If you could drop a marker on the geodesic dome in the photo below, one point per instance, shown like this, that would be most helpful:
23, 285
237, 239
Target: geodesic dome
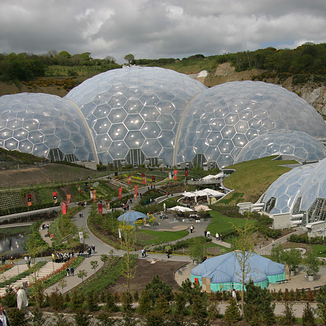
283, 193
297, 144
224, 272
134, 112
222, 120
44, 125
313, 194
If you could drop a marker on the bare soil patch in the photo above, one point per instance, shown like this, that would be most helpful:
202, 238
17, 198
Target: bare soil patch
146, 271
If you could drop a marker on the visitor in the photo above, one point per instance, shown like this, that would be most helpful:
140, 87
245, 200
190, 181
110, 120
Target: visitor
234, 294
68, 271
216, 236
205, 233
168, 253
192, 228
208, 234
22, 301
72, 271
4, 321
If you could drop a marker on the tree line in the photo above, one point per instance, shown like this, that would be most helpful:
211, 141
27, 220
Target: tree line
28, 66
307, 59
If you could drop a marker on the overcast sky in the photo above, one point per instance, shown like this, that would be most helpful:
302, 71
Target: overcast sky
158, 28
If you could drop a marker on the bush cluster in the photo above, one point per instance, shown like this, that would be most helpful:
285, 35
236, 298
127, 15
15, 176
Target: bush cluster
303, 238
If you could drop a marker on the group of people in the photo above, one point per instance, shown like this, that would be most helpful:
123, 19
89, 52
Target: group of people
207, 234
28, 261
59, 257
70, 271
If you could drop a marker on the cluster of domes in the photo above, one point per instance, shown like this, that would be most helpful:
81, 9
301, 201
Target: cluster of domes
138, 115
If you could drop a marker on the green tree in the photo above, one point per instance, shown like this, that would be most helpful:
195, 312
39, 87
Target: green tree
311, 263
94, 264
130, 58
199, 310
92, 301
288, 317
157, 287
321, 303
144, 303
17, 317
292, 258
259, 308
308, 318
232, 313
244, 247
81, 274
277, 253
197, 249
188, 290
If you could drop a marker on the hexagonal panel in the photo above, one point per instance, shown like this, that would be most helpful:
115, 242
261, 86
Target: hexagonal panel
133, 122
117, 131
150, 130
25, 146
149, 113
133, 106
134, 139
101, 126
117, 115
152, 148
118, 150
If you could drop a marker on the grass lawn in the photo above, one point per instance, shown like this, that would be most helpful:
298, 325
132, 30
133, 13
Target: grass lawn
222, 224
252, 178
320, 250
149, 237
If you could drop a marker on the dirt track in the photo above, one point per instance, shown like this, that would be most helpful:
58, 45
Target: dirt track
145, 273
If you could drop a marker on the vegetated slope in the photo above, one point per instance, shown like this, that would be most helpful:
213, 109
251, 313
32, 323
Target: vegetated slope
251, 179
51, 173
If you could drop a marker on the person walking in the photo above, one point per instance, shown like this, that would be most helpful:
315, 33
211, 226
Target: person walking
205, 233
216, 236
191, 228
168, 253
22, 301
72, 271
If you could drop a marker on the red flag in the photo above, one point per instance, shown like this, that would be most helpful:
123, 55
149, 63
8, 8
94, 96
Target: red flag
136, 191
175, 174
100, 208
129, 179
64, 208
144, 178
186, 172
120, 193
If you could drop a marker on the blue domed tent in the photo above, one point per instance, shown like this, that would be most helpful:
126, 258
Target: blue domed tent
131, 217
224, 272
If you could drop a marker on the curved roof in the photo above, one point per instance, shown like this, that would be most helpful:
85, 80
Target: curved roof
44, 125
135, 108
225, 268
300, 145
223, 119
315, 186
286, 189
131, 217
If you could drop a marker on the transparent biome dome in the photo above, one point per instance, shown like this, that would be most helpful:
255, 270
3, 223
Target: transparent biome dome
300, 145
313, 194
223, 119
283, 192
44, 125
134, 112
